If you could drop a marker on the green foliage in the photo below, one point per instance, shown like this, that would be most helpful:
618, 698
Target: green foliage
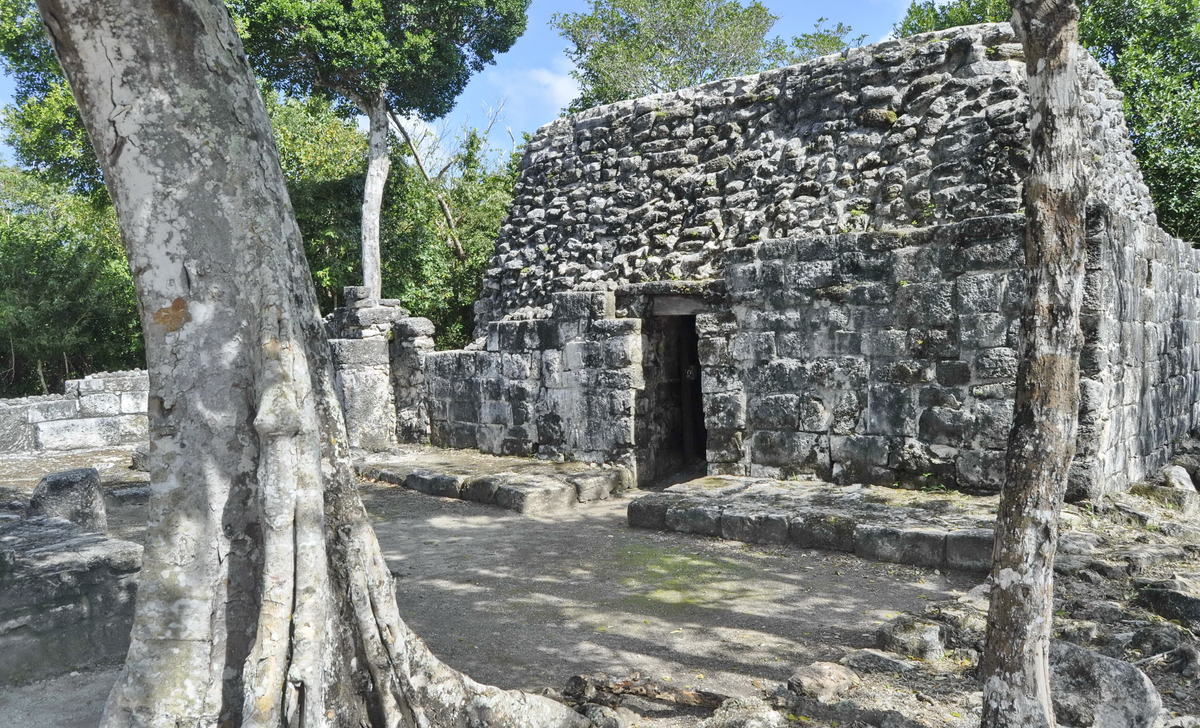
419, 266
421, 54
67, 305
324, 160
1151, 49
924, 16
624, 49
42, 125
323, 157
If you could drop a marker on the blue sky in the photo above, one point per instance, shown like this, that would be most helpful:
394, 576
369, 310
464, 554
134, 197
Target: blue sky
534, 80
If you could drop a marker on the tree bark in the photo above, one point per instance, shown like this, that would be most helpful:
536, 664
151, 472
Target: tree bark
378, 166
1041, 444
264, 598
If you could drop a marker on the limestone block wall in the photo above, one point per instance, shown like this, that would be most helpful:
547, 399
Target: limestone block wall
562, 386
100, 410
878, 357
864, 212
378, 353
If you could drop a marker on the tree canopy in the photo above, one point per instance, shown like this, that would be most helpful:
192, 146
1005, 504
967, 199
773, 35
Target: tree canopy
1151, 49
419, 54
623, 49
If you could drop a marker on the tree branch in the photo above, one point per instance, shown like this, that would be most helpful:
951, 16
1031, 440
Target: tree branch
455, 244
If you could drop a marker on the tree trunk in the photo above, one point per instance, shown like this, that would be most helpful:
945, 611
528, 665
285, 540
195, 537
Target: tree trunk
1015, 665
378, 165
264, 598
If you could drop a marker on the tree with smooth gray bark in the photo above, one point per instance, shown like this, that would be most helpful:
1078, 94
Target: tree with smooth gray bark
1041, 444
264, 598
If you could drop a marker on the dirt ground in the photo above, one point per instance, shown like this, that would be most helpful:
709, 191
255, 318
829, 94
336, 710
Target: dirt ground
525, 602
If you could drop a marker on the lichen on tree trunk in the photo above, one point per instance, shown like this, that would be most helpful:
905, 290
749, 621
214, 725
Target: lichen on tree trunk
264, 598
1015, 664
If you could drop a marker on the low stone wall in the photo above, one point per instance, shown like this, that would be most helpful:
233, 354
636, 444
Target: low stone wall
100, 410
66, 597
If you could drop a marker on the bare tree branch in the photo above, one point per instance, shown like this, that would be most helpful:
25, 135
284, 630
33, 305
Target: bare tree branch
455, 243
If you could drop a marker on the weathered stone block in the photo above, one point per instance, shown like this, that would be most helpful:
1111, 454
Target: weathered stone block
996, 364
370, 409
1090, 689
482, 488
969, 549
74, 495
583, 355
100, 404
822, 681
584, 305
533, 495
891, 410
622, 351
823, 531
916, 546
774, 412
715, 352
60, 409
359, 353
598, 484
649, 511
981, 469
134, 402
908, 635
16, 434
697, 515
754, 525
431, 482
76, 434
66, 598
412, 328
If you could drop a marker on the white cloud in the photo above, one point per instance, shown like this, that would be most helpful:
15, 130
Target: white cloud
535, 96
559, 89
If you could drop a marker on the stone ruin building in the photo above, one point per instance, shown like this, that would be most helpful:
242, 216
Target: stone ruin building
816, 269
812, 270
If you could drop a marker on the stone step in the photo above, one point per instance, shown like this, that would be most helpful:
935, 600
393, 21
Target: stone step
941, 531
542, 491
66, 598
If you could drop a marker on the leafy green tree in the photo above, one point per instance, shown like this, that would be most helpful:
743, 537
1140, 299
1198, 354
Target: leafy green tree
323, 156
383, 59
1151, 49
623, 49
67, 305
42, 125
924, 16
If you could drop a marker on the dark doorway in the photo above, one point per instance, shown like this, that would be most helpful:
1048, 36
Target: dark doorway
671, 439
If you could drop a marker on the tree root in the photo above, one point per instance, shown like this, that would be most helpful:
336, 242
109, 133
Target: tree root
594, 688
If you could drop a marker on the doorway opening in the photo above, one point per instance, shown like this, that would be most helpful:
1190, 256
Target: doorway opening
669, 430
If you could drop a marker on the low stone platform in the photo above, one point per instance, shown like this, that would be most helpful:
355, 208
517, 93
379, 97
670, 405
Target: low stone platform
943, 530
524, 485
66, 597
